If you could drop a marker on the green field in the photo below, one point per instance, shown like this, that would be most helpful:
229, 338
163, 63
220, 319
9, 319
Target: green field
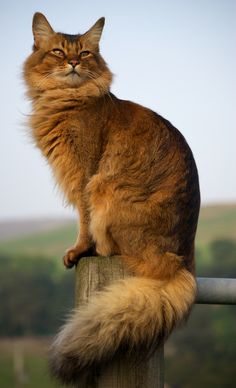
52, 243
23, 363
36, 293
216, 222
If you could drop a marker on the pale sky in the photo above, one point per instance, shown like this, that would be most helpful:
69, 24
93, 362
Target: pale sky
177, 57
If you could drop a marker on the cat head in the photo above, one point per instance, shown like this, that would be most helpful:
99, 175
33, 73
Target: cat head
63, 61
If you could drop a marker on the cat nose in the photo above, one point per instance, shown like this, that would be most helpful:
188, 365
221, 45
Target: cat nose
74, 62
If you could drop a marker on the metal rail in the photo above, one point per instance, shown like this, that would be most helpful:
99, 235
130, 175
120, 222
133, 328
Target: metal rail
216, 291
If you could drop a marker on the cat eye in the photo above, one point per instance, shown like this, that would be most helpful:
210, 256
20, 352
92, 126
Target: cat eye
58, 52
84, 54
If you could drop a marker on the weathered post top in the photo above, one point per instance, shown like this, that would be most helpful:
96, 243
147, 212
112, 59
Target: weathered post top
92, 275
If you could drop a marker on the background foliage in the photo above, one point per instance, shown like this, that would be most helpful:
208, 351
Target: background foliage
36, 294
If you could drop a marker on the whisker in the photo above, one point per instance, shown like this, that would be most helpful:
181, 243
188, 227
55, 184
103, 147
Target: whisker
98, 80
49, 74
94, 76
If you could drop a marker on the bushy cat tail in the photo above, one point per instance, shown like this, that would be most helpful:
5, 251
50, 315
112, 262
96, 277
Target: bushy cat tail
134, 312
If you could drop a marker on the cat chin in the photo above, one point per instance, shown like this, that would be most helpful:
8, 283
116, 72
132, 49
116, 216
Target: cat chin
72, 79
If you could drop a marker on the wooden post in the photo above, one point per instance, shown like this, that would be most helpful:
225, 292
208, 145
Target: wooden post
93, 274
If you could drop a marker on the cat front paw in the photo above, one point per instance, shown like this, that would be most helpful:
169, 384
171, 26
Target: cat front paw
70, 258
75, 253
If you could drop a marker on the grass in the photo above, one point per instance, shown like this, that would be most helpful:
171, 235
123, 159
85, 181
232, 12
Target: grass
23, 363
216, 222
52, 243
35, 373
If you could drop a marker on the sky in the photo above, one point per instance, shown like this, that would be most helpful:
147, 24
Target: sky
177, 57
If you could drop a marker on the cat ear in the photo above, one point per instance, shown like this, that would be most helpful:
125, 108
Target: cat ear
93, 35
41, 29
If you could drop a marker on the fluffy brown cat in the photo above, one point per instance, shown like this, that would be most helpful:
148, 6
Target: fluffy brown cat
133, 179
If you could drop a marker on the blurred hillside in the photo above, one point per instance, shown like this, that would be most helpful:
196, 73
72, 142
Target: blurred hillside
36, 294
51, 237
45, 237
20, 228
216, 222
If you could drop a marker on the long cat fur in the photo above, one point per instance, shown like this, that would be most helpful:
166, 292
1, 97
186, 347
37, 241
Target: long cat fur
133, 179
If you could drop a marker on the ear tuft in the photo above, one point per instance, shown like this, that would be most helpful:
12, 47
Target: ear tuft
93, 35
41, 29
